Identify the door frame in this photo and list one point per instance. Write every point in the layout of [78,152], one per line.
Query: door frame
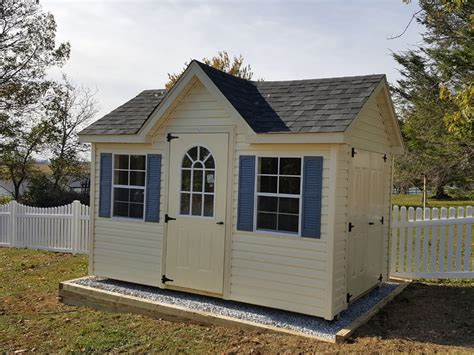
[230,130]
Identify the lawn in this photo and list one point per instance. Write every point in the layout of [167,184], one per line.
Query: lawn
[416,201]
[426,317]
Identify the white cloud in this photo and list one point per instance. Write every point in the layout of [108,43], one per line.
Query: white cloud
[123,47]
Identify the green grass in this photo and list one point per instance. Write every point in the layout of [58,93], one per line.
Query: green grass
[416,201]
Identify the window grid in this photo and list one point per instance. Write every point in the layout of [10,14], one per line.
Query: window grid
[202,193]
[128,186]
[277,195]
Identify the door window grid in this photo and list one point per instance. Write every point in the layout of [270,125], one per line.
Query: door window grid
[197,183]
[129,174]
[278,192]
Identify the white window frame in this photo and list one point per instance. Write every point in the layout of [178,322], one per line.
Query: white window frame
[277,194]
[128,186]
[190,192]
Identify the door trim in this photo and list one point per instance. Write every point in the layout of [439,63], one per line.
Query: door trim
[231,131]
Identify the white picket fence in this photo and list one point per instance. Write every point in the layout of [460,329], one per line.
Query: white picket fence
[429,244]
[63,228]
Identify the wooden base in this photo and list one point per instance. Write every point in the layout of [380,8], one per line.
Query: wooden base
[344,333]
[74,294]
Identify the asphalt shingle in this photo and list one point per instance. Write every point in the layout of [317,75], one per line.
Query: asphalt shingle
[314,105]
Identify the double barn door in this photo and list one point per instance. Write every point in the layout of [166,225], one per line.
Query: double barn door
[366,212]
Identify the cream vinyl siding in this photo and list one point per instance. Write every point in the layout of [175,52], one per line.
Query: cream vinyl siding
[287,272]
[126,249]
[368,130]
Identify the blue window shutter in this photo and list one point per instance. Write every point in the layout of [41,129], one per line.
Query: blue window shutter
[312,191]
[153,185]
[105,185]
[246,192]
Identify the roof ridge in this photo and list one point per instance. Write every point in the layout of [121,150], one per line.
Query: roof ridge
[374,75]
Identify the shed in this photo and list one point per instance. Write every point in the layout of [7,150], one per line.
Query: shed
[274,193]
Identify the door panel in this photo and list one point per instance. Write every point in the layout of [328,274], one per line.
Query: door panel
[197,199]
[365,241]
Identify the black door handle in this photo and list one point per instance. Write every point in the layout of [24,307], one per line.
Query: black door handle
[220,223]
[371,223]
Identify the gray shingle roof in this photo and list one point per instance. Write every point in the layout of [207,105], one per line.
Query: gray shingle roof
[128,118]
[298,106]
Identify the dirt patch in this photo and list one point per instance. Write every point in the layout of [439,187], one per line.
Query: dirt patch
[424,318]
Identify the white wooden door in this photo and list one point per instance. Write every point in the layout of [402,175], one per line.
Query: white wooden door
[358,224]
[376,213]
[197,199]
[365,239]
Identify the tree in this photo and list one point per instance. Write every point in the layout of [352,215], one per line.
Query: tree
[433,151]
[69,107]
[449,39]
[221,61]
[17,163]
[27,50]
[434,77]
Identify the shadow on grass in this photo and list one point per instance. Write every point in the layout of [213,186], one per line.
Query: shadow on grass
[428,313]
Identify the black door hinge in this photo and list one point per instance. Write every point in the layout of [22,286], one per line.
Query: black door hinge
[348,297]
[169,137]
[164,279]
[350,226]
[353,152]
[168,218]
[381,220]
[380,278]
[385,158]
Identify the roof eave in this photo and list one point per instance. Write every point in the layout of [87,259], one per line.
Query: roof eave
[296,138]
[113,138]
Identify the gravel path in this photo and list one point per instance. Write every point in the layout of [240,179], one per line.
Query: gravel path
[268,316]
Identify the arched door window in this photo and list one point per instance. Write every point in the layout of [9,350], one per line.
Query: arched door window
[197,183]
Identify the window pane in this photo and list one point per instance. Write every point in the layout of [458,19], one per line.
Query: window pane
[137,178]
[186,180]
[187,162]
[193,153]
[268,166]
[203,153]
[197,205]
[136,195]
[289,185]
[210,163]
[121,209]
[121,162]
[208,205]
[136,210]
[121,194]
[121,177]
[197,180]
[209,182]
[290,166]
[198,165]
[185,202]
[267,221]
[267,204]
[288,205]
[267,184]
[137,162]
[287,223]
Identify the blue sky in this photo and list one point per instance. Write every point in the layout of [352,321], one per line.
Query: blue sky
[123,47]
